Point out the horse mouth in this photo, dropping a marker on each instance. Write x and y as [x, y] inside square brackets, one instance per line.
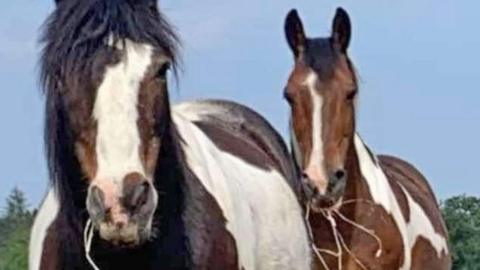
[129, 236]
[325, 203]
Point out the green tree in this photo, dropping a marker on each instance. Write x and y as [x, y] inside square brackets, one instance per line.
[15, 224]
[462, 216]
[16, 204]
[14, 252]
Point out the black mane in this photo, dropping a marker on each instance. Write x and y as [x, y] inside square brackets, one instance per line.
[77, 29]
[73, 36]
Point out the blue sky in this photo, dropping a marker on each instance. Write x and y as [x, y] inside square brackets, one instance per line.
[419, 95]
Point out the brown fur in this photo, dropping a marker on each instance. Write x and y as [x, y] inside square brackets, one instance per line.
[50, 247]
[422, 253]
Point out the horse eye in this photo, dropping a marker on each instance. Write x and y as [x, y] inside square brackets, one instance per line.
[287, 96]
[351, 95]
[162, 71]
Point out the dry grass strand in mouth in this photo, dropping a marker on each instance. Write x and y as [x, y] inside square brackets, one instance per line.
[365, 230]
[87, 240]
[329, 215]
[350, 252]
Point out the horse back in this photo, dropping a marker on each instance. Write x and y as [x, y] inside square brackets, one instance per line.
[223, 120]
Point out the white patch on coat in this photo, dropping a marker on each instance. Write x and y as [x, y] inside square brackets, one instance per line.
[262, 212]
[316, 168]
[115, 110]
[421, 226]
[44, 218]
[382, 194]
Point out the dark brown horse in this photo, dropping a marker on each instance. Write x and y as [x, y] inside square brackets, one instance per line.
[365, 212]
[138, 184]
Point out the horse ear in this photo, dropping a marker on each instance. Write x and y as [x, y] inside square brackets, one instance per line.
[294, 32]
[341, 30]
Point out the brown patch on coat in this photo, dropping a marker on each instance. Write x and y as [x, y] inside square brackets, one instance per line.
[86, 152]
[51, 245]
[299, 99]
[425, 257]
[243, 149]
[153, 110]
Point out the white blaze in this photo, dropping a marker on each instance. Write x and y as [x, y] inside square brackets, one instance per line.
[116, 112]
[315, 167]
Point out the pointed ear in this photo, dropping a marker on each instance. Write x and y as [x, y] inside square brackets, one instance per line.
[57, 2]
[341, 30]
[294, 32]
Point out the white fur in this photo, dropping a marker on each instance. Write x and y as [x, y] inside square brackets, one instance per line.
[376, 179]
[382, 194]
[262, 212]
[115, 110]
[45, 216]
[316, 167]
[316, 157]
[421, 226]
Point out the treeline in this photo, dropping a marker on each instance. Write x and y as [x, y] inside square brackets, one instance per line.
[462, 215]
[15, 223]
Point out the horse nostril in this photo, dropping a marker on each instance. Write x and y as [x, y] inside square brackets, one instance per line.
[137, 196]
[308, 187]
[340, 174]
[96, 203]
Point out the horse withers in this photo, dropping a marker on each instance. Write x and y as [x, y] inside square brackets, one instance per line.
[365, 212]
[137, 184]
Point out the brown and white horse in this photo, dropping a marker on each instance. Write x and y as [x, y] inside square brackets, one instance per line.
[365, 212]
[140, 185]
